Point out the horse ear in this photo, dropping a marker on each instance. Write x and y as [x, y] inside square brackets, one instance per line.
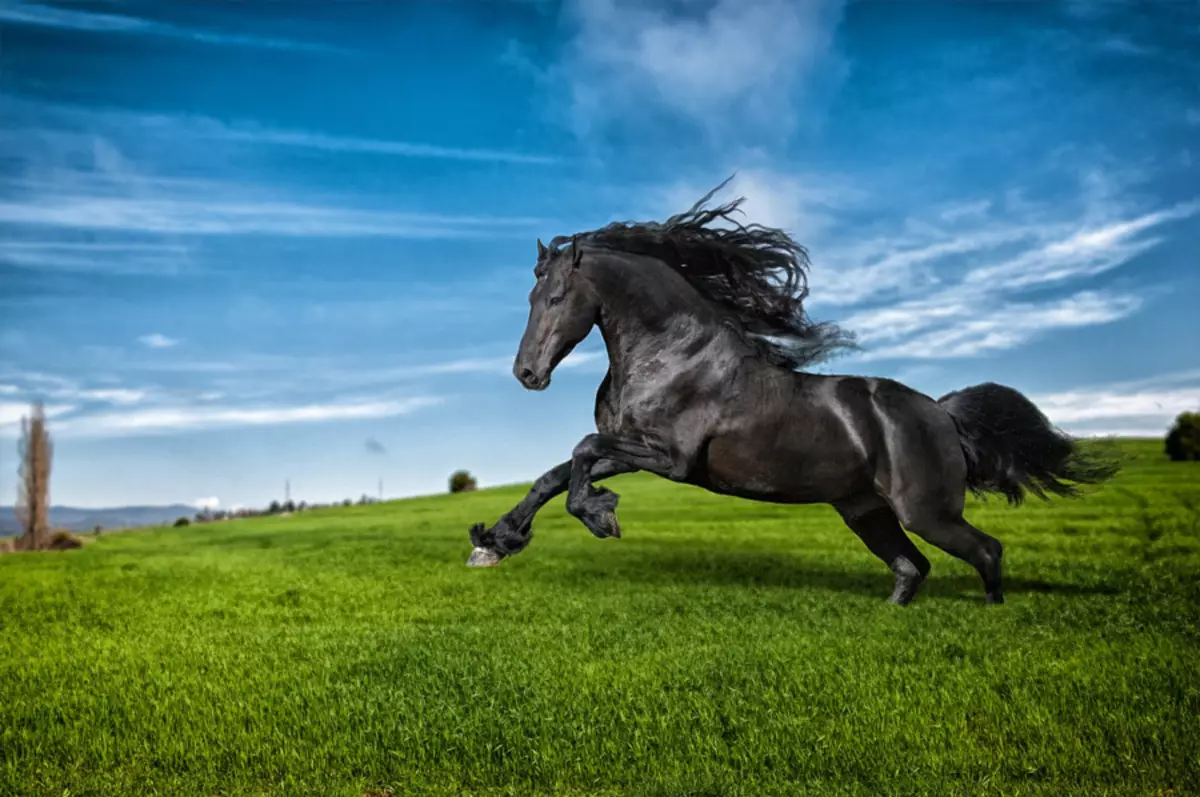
[576, 253]
[541, 250]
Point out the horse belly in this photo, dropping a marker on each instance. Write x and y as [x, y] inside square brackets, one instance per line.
[788, 463]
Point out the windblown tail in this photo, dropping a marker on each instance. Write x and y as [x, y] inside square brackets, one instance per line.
[1011, 447]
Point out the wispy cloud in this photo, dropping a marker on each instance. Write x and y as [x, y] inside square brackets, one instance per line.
[184, 419]
[217, 216]
[959, 328]
[406, 149]
[11, 413]
[946, 306]
[157, 340]
[42, 122]
[212, 502]
[1145, 407]
[76, 175]
[1082, 254]
[93, 257]
[957, 280]
[732, 62]
[60, 389]
[50, 16]
[802, 204]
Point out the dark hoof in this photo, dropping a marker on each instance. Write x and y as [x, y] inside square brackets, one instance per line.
[600, 514]
[994, 598]
[908, 581]
[606, 525]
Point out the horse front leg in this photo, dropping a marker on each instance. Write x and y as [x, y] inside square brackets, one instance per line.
[514, 529]
[596, 507]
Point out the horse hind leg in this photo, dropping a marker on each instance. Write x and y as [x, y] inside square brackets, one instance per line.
[954, 535]
[879, 529]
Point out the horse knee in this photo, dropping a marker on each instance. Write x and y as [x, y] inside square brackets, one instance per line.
[587, 447]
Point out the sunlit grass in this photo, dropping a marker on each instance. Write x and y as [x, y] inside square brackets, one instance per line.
[719, 647]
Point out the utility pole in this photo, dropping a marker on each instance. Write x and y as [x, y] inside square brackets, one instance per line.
[381, 488]
[287, 491]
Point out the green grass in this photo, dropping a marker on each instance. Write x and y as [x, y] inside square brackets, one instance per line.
[720, 647]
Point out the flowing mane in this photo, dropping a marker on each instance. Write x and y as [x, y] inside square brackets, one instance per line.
[756, 275]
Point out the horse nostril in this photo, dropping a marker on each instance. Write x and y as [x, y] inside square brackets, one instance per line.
[526, 375]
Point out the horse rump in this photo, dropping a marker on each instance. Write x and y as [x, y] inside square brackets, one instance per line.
[1012, 448]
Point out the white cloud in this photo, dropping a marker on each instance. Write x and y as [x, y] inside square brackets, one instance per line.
[966, 210]
[27, 13]
[1084, 253]
[1134, 408]
[729, 63]
[944, 305]
[121, 396]
[802, 205]
[407, 149]
[978, 313]
[218, 216]
[210, 503]
[65, 179]
[179, 419]
[66, 390]
[11, 413]
[976, 330]
[157, 340]
[114, 258]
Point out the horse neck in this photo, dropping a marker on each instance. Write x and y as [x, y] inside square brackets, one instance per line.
[646, 306]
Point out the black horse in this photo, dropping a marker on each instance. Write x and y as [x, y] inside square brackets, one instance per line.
[706, 335]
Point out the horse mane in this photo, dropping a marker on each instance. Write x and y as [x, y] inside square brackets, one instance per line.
[756, 276]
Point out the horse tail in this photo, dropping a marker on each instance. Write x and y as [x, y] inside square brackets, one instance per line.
[1012, 448]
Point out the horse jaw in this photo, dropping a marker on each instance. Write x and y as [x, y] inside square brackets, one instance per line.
[484, 557]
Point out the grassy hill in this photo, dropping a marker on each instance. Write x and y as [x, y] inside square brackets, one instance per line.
[720, 647]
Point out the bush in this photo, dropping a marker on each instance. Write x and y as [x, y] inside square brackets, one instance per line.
[462, 482]
[1183, 441]
[182, 522]
[64, 541]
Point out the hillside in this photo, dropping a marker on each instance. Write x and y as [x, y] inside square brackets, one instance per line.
[721, 647]
[121, 517]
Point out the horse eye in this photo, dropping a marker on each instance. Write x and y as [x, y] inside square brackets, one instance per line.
[553, 300]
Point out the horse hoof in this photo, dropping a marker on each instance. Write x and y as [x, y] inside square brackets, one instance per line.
[484, 557]
[607, 525]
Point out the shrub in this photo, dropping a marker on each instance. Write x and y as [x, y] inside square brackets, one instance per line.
[182, 522]
[462, 481]
[1183, 441]
[63, 540]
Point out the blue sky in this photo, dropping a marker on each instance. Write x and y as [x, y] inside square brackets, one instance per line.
[243, 243]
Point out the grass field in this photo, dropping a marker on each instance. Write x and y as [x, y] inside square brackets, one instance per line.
[720, 647]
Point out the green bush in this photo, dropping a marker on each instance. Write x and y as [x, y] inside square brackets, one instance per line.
[1183, 441]
[462, 481]
[183, 522]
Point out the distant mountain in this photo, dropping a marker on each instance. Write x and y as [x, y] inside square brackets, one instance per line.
[121, 517]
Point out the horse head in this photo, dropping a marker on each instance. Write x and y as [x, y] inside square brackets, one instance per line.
[562, 311]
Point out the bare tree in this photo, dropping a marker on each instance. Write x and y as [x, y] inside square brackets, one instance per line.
[33, 492]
